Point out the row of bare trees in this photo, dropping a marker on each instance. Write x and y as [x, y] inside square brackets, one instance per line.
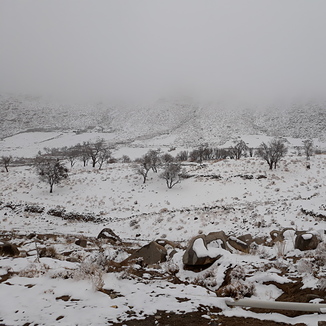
[51, 168]
[97, 153]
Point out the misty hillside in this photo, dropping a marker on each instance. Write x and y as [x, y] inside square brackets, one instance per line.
[189, 123]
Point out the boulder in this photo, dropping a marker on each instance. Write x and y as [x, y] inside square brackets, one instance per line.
[109, 235]
[260, 240]
[219, 237]
[150, 254]
[165, 243]
[247, 238]
[81, 243]
[8, 249]
[306, 241]
[239, 244]
[205, 249]
[277, 235]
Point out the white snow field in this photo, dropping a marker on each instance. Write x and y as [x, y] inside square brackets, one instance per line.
[55, 291]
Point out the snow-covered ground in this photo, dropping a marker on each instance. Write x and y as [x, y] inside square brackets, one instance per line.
[140, 213]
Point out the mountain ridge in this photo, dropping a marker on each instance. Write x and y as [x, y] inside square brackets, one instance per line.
[190, 123]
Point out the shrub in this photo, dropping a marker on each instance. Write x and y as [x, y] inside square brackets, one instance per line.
[237, 290]
[92, 272]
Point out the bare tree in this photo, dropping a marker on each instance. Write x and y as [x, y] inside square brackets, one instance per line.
[154, 158]
[272, 152]
[308, 147]
[238, 150]
[103, 156]
[94, 150]
[125, 159]
[182, 156]
[6, 161]
[171, 174]
[51, 171]
[144, 165]
[97, 152]
[84, 152]
[72, 153]
[167, 158]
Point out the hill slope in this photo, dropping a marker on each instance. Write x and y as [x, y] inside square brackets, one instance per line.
[190, 123]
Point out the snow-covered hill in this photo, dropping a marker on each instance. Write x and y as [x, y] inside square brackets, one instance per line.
[72, 285]
[191, 123]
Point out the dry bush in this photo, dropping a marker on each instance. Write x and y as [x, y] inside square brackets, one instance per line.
[322, 284]
[320, 255]
[207, 279]
[92, 272]
[237, 290]
[238, 273]
[34, 270]
[63, 274]
[48, 252]
[237, 287]
[304, 266]
[171, 267]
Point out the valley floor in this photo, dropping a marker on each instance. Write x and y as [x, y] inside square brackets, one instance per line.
[68, 284]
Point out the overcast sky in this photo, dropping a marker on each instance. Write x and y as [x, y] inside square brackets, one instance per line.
[246, 49]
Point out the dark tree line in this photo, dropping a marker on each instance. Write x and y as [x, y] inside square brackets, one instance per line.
[51, 169]
[97, 153]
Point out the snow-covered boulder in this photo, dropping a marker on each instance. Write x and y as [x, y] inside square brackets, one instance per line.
[205, 249]
[306, 241]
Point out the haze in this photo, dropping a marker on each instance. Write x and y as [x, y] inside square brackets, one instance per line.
[142, 50]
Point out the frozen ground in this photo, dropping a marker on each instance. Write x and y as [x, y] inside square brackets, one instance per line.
[42, 293]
